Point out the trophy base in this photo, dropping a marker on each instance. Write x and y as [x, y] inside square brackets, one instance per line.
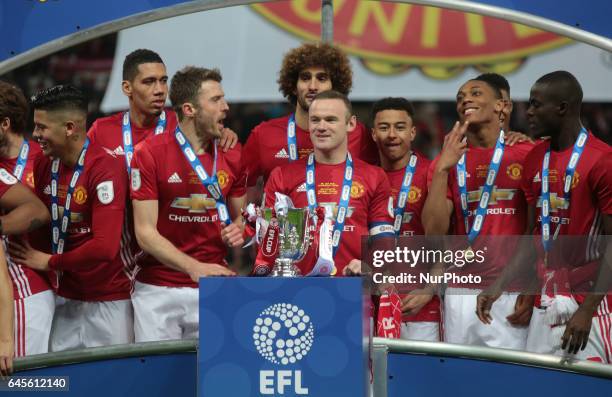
[285, 268]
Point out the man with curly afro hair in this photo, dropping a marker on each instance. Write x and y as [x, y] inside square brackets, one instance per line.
[306, 71]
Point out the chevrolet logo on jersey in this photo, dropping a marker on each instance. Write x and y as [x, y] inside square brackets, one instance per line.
[496, 195]
[75, 217]
[197, 203]
[556, 203]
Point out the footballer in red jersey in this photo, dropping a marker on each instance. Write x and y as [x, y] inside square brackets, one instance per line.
[393, 130]
[34, 299]
[480, 107]
[182, 187]
[83, 186]
[368, 212]
[306, 71]
[145, 84]
[570, 175]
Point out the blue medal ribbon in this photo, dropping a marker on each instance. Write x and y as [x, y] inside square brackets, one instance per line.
[292, 139]
[128, 142]
[567, 186]
[345, 196]
[59, 230]
[209, 182]
[22, 159]
[481, 211]
[402, 197]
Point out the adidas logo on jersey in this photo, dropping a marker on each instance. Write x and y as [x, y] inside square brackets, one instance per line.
[175, 178]
[282, 154]
[47, 189]
[301, 188]
[119, 151]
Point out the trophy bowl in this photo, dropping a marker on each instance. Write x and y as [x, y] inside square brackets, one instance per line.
[294, 240]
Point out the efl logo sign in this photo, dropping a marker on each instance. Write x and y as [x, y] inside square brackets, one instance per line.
[391, 38]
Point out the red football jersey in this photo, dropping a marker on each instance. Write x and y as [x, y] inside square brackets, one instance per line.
[26, 281]
[266, 147]
[108, 133]
[187, 215]
[590, 198]
[370, 204]
[505, 213]
[411, 223]
[91, 267]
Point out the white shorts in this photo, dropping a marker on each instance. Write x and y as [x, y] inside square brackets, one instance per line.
[165, 313]
[461, 325]
[547, 340]
[33, 317]
[420, 330]
[79, 324]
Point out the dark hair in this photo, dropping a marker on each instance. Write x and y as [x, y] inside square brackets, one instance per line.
[14, 106]
[136, 58]
[497, 81]
[60, 97]
[186, 83]
[565, 84]
[332, 59]
[392, 103]
[333, 94]
[487, 81]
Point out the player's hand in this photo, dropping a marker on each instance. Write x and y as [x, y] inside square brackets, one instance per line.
[454, 147]
[576, 335]
[484, 302]
[415, 300]
[228, 140]
[353, 268]
[24, 254]
[232, 235]
[201, 269]
[522, 311]
[513, 137]
[6, 357]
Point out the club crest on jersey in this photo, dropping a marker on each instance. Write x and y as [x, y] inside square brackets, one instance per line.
[415, 194]
[514, 171]
[106, 192]
[7, 177]
[223, 178]
[135, 179]
[357, 190]
[80, 195]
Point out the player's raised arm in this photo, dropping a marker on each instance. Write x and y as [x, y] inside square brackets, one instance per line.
[438, 207]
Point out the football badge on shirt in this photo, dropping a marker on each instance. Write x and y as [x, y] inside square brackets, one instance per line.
[414, 195]
[514, 171]
[80, 195]
[106, 193]
[223, 178]
[357, 190]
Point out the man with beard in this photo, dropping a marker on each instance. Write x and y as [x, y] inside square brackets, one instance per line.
[187, 198]
[306, 71]
[568, 187]
[83, 186]
[393, 130]
[145, 84]
[475, 190]
[34, 300]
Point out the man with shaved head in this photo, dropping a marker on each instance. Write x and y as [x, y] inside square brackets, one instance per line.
[568, 187]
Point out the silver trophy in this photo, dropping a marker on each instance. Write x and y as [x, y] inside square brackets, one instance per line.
[295, 237]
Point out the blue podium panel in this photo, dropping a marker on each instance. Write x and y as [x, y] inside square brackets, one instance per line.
[151, 376]
[430, 376]
[281, 337]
